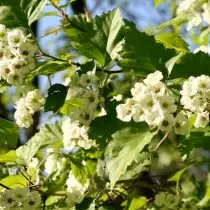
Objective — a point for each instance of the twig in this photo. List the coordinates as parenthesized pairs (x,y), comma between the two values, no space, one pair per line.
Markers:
(50,32)
(4,186)
(162,140)
(62,201)
(65,16)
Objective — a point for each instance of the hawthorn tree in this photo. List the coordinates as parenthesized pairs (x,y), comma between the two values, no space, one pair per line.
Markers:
(130,121)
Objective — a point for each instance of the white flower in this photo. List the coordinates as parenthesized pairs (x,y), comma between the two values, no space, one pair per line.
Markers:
(22,116)
(15,78)
(83,115)
(158,88)
(21,194)
(202,120)
(72,133)
(185,5)
(138,115)
(30,64)
(15,37)
(199,103)
(4,69)
(53,162)
(202,83)
(17,64)
(126,111)
(23,119)
(148,102)
(7,199)
(34,201)
(153,118)
(138,90)
(74,92)
(86,143)
(90,99)
(167,104)
(86,79)
(76,190)
(167,123)
(188,87)
(195,21)
(9,52)
(34,100)
(26,49)
(153,78)
(181,124)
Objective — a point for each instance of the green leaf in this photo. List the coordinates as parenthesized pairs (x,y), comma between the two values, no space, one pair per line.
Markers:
(137,203)
(102,133)
(139,164)
(196,138)
(32,9)
(85,204)
(172,41)
(56,97)
(141,54)
(126,143)
(70,104)
(170,64)
(9,134)
(100,40)
(206,197)
(176,177)
(79,171)
(191,65)
(88,66)
(8,157)
(47,136)
(49,68)
(16,13)
(14,181)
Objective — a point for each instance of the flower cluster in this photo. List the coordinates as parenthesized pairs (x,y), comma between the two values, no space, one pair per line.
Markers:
(75,135)
(169,201)
(27,106)
(84,88)
(16,55)
(196,97)
(76,190)
(20,198)
(152,103)
(201,15)
(166,200)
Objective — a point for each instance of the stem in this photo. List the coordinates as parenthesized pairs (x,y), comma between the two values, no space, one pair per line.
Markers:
(50,32)
(4,186)
(62,201)
(162,140)
(65,16)
(35,39)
